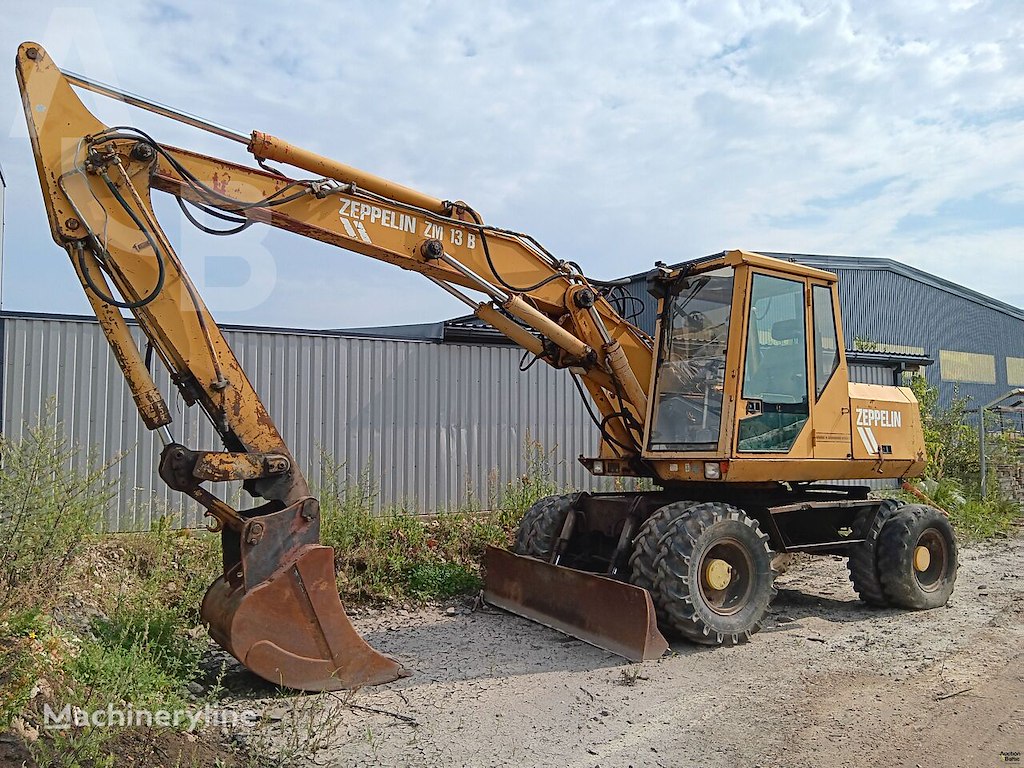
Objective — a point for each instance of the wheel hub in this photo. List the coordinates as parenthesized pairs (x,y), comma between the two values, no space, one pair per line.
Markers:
(922,559)
(931,556)
(726,576)
(718,573)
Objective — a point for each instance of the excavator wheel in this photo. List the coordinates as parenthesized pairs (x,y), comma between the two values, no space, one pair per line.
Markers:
(863,560)
(917,558)
(541,525)
(643,562)
(715,578)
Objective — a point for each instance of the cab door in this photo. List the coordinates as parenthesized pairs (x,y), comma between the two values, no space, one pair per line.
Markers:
(774,405)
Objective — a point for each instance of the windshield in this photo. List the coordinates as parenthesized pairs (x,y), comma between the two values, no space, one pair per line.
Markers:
(691,377)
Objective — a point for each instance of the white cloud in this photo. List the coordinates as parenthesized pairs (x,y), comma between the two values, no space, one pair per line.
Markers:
(616,133)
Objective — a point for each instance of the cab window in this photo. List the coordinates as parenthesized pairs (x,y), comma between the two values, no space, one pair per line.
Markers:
(775,372)
(826,344)
(691,374)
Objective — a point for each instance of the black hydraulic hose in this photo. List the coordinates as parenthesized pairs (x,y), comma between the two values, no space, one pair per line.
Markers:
(242,226)
(161,266)
(271,200)
(490,263)
(600,424)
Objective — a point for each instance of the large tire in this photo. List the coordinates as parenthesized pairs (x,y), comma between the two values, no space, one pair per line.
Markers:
(694,544)
(643,561)
(863,557)
(917,558)
(541,525)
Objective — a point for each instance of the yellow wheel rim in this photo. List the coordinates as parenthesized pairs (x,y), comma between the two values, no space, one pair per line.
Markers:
(922,559)
(718,573)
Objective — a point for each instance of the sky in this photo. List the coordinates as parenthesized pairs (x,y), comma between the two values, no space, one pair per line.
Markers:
(616,133)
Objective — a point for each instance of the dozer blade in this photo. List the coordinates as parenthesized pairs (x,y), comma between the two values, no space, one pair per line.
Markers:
(610,614)
(278,612)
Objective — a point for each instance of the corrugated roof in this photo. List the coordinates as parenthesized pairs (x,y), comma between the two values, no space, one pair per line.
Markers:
(887,358)
(421,332)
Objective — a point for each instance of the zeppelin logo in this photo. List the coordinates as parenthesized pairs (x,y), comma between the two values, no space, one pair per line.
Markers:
(360,212)
(871,417)
(353,214)
(867,418)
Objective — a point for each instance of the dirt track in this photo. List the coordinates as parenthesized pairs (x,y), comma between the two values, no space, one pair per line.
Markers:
(827,682)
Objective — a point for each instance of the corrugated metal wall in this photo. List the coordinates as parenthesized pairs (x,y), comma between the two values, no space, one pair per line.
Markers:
(430,424)
(871,374)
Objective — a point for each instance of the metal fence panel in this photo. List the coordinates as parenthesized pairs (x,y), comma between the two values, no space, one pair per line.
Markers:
(429,425)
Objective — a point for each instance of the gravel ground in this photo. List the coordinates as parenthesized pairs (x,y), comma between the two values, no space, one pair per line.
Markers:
(827,682)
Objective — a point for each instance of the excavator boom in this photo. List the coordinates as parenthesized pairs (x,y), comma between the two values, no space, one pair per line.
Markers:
(276,606)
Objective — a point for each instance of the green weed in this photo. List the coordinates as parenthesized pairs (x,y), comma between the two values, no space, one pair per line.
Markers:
(953,473)
(400,557)
(977,519)
(537,482)
(440,580)
(48,510)
(153,638)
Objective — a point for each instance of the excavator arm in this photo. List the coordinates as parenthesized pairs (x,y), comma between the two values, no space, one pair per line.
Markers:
(276,607)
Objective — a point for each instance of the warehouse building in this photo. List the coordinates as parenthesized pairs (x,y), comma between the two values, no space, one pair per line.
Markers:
(440,416)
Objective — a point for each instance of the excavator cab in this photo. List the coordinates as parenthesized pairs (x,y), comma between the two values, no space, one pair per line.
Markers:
(751,380)
(690,379)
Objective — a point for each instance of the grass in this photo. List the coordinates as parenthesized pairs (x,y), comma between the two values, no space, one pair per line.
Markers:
(400,557)
(139,649)
(977,519)
(143,590)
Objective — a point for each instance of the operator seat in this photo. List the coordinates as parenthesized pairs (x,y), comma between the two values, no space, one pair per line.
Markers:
(783,368)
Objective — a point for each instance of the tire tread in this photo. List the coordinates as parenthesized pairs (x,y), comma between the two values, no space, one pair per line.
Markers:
(863,558)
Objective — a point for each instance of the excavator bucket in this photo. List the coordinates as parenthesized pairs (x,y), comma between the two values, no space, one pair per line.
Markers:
(610,614)
(278,611)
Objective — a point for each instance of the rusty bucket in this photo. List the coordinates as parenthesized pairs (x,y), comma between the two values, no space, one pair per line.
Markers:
(276,608)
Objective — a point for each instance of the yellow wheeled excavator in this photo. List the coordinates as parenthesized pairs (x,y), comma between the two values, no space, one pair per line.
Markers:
(738,410)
